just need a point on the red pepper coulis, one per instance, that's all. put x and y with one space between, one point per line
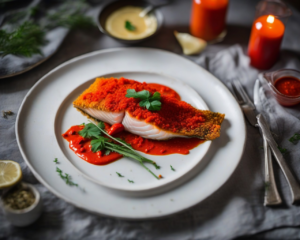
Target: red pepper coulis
289 86
82 146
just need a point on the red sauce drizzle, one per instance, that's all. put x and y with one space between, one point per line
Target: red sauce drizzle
289 86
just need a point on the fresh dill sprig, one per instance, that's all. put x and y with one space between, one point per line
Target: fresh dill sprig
24 41
119 174
66 177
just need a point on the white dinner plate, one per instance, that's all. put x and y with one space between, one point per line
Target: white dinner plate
67 116
46 112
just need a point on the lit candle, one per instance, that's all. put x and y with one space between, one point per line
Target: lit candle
208 18
264 45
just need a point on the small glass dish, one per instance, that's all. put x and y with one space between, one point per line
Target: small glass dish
26 216
272 77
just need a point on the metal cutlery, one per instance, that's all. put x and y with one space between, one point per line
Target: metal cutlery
272 196
262 124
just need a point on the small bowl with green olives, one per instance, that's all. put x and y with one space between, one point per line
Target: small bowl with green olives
21 204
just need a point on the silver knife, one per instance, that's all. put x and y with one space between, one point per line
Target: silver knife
293 184
272 196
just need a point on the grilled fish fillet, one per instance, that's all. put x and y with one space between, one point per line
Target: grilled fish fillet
105 100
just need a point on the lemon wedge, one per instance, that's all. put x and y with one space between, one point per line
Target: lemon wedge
190 45
10 173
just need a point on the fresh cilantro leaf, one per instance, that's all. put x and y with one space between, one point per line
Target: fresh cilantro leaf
101 125
295 139
130 181
143 103
107 152
172 168
99 144
119 174
156 96
283 150
155 106
129 26
90 131
151 103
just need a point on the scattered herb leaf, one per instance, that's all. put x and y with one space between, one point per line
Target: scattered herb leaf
283 150
90 131
56 160
119 174
172 168
151 103
129 26
295 139
66 177
130 181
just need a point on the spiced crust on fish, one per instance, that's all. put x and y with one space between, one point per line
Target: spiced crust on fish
105 100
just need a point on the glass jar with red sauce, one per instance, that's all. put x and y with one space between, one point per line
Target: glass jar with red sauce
285 85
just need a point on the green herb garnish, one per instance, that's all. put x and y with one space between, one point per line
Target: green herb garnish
24 41
90 131
100 143
151 103
129 26
172 168
119 174
27 36
283 150
107 152
130 181
66 177
56 160
295 139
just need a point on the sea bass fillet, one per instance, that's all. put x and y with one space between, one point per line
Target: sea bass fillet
105 100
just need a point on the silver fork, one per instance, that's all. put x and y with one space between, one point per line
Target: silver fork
272 196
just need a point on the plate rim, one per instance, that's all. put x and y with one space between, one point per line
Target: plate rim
90 54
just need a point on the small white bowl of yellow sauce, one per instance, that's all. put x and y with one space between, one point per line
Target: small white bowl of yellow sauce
122 20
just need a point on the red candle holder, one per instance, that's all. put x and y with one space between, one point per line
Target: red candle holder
267 33
208 19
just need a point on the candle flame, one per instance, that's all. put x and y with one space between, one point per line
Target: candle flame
270 19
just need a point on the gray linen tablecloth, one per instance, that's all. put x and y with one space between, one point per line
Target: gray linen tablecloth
234 210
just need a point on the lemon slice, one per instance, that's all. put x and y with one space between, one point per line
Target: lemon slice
190 45
10 173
